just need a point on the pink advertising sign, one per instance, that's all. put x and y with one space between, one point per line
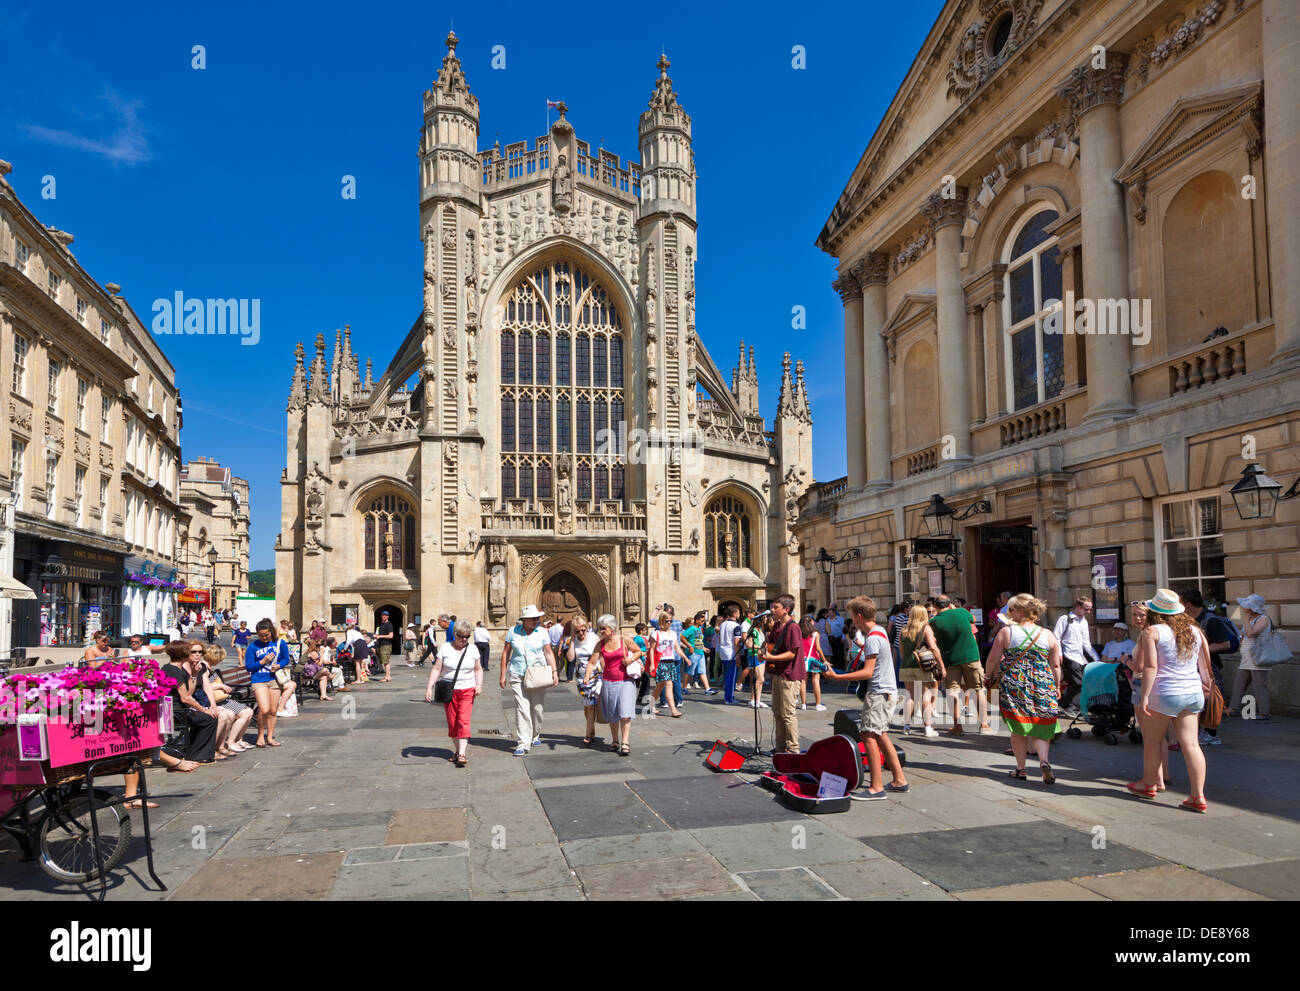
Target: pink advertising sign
77 743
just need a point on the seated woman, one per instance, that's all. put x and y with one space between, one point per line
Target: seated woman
240 715
195 724
314 670
204 693
329 658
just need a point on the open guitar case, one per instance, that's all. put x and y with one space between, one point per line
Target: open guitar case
797 777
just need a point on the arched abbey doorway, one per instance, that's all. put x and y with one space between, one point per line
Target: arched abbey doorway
564 596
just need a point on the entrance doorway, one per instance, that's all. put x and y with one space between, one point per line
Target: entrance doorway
394 616
1006 562
564 596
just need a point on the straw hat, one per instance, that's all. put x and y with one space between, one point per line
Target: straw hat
1165 602
531 612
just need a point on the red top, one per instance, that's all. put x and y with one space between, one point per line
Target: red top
615 663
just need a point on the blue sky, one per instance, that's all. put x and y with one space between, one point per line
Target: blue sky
225 182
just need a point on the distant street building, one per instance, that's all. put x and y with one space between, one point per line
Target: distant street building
91 427
217 504
552 429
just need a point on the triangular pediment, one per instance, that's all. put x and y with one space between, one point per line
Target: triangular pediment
1190 123
915 306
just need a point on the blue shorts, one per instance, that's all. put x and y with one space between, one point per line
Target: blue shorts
1176 705
695 667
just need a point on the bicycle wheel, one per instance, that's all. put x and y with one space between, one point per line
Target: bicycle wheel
67 842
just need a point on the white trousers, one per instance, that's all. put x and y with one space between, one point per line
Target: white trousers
528 710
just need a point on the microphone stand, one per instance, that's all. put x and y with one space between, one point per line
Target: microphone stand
756 751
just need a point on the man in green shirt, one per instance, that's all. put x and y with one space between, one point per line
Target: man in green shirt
954 633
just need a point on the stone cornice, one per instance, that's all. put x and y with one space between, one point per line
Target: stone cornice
1088 88
45 317
985 287
945 211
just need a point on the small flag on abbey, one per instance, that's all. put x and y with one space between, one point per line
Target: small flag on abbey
553 104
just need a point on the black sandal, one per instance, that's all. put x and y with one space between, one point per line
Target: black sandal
613 748
1018 773
1048 777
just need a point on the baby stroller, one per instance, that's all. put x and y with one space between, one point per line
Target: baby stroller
1106 704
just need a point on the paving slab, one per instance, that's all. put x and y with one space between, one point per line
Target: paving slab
517 868
427 826
990 856
871 880
710 800
283 878
573 764
439 879
307 821
1187 849
794 884
1167 883
322 840
1039 891
770 845
1279 879
630 847
679 876
589 810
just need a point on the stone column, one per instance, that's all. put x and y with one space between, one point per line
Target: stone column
995 355
1281 45
1094 95
855 425
872 274
946 217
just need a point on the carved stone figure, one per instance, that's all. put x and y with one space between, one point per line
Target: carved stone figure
471 545
497 589
562 186
631 594
695 539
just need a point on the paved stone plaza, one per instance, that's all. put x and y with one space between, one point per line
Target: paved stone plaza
369 808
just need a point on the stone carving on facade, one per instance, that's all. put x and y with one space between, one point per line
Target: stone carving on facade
871 270
449 452
496 552
911 249
471 542
631 594
528 563
658 491
974 61
600 562
497 592
632 553
81 445
316 483
944 211
1087 87
1149 54
692 494
562 186
564 495
20 417
105 458
695 539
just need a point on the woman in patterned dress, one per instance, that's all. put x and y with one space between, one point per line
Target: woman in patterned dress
1028 658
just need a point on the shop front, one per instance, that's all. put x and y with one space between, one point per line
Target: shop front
149 595
78 592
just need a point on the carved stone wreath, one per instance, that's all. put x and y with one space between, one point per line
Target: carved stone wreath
973 63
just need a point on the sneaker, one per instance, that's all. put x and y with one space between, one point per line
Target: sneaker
537 740
988 731
876 796
821 708
714 691
803 705
520 751
1209 741
931 732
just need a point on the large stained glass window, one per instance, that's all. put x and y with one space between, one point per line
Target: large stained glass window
728 539
388 531
562 380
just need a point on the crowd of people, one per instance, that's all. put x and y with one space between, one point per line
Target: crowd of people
1167 659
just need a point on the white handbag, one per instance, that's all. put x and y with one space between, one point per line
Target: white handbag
538 676
634 670
1271 648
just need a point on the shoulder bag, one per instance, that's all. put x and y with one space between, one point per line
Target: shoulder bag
284 675
1271 648
538 676
443 687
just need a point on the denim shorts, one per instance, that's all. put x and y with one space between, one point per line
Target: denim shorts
1176 705
695 667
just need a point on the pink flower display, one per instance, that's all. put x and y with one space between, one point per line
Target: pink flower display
113 688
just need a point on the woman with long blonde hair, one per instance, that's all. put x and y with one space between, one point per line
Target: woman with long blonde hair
1174 658
917 635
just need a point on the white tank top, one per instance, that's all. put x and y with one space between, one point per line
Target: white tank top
1176 675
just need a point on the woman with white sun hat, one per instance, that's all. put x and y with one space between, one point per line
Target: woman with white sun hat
1256 622
527 653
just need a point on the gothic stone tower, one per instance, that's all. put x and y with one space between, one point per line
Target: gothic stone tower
552 429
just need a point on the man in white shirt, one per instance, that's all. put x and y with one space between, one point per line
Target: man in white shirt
727 633
1120 646
1076 649
483 641
835 631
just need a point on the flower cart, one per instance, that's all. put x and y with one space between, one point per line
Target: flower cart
61 730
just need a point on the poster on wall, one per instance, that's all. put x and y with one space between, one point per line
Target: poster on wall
1107 584
935 578
94 622
351 614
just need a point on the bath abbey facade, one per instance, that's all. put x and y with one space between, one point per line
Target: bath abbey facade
552 429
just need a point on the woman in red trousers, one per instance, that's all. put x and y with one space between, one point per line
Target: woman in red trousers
458 662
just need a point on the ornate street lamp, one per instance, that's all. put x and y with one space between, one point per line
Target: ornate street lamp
826 565
1256 495
212 594
941 547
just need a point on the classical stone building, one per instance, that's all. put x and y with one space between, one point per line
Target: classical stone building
552 429
91 428
1138 161
216 503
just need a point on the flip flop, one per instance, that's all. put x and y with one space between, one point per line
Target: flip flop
274 743
136 804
